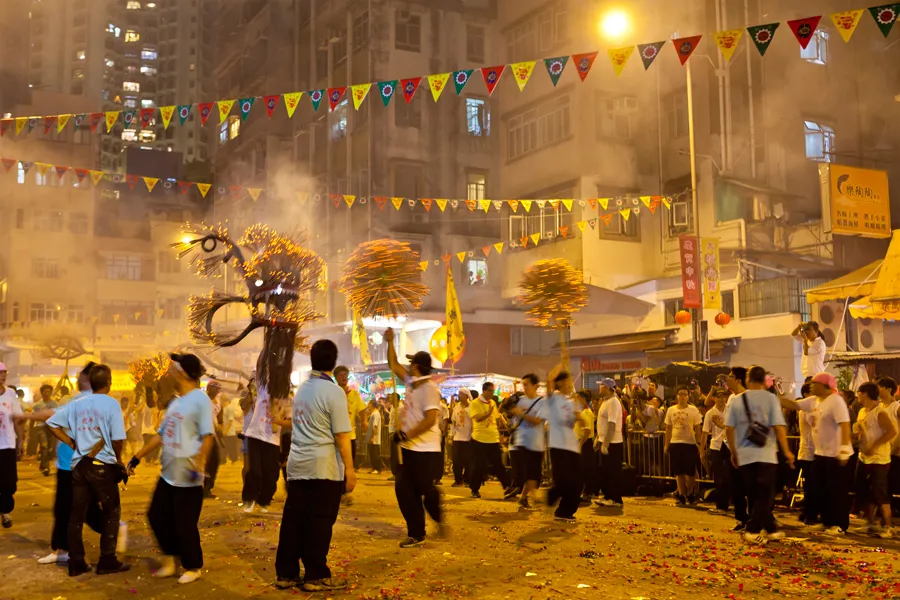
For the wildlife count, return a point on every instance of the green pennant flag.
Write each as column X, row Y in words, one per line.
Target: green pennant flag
column 184, row 111
column 32, row 121
column 460, row 79
column 762, row 36
column 649, row 52
column 128, row 118
column 79, row 120
column 315, row 97
column 386, row 88
column 885, row 16
column 555, row 67
column 246, row 104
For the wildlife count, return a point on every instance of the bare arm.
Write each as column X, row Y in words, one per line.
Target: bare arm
column 117, row 446
column 396, row 368
column 342, row 441
column 781, row 436
column 484, row 416
column 729, row 439
column 149, row 447
column 668, row 434
column 41, row 415
column 62, row 436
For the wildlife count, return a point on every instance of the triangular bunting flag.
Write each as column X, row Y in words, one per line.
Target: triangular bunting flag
column 60, row 171
column 619, row 58
column 235, row 190
column 150, row 182
column 526, row 204
column 111, row 118
column 303, row 197
column 514, row 205
column 254, row 193
column 447, row 258
column 349, row 199
column 315, row 97
column 81, row 174
column 442, row 203
column 49, row 122
column 335, row 95
column 387, row 89
column 184, row 186
column 607, row 219
column 184, row 111
column 523, row 241
column 131, row 180
column 336, row 199
column 499, row 247
column 20, row 124
column 32, row 123
column 564, row 230
column 567, row 204
column 535, row 237
column 649, row 52
column 846, row 22
column 423, row 265
column 654, row 204
column 166, row 113
column 271, row 102
column 359, row 93
column 146, row 115
column 592, row 223
column 79, row 119
column 885, row 16
column 409, row 87
column 460, row 79
column 471, row 205
column 492, row 77
column 8, row 163
column 437, row 83
column 204, row 188
column 604, row 203
column 4, row 125
column 427, row 202
column 555, row 67
column 485, row 205
column 205, row 109
column 684, row 47
column 666, row 202
column 762, row 36
column 380, row 201
column 224, row 109
column 583, row 63
column 397, row 202
column 727, row 41
column 128, row 117
column 292, row 101
column 522, row 72
column 42, row 167
column 646, row 201
column 804, row 29
column 61, row 121
column 246, row 105
column 554, row 204
column 486, row 250
column 461, row 256
column 96, row 176
column 498, row 204
column 581, row 225
column 593, row 203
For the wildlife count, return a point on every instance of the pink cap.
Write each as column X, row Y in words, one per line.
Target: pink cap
column 826, row 379
column 2, row 367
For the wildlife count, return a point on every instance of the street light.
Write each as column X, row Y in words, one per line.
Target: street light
column 615, row 25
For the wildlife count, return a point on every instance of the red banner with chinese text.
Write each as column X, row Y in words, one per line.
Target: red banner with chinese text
column 690, row 271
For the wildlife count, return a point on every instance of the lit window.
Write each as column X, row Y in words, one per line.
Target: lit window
column 147, row 103
column 110, row 63
column 147, row 135
column 129, row 135
column 133, row 5
column 339, row 120
column 816, row 51
column 132, row 36
column 148, row 70
column 477, row 268
column 478, row 117
column 819, row 141
column 148, row 54
column 80, row 55
column 131, row 86
column 130, row 103
column 223, row 133
column 475, row 186
column 234, row 127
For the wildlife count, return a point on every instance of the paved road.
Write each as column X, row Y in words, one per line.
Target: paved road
column 651, row 550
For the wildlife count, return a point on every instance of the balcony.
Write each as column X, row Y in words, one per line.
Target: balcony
column 776, row 296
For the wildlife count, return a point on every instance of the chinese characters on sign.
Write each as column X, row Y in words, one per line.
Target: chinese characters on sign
column 860, row 202
column 690, row 270
column 712, row 283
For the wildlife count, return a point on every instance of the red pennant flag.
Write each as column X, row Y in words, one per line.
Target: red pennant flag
column 4, row 125
column 60, row 170
column 131, row 180
column 146, row 116
column 335, row 95
column 336, row 199
column 271, row 102
column 8, row 163
column 427, row 202
column 49, row 122
column 81, row 174
column 804, row 29
column 96, row 119
column 447, row 259
column 184, row 186
column 583, row 63
column 593, row 203
column 607, row 219
column 524, row 241
column 685, row 47
column 654, row 204
column 380, row 201
column 486, row 249
column 205, row 110
column 471, row 204
column 409, row 87
column 564, row 231
column 235, row 190
column 492, row 77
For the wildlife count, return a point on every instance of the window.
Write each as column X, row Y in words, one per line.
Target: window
column 148, row 70
column 681, row 217
column 123, row 267
column 728, row 302
column 121, row 312
column 620, row 228
column 477, row 271
column 819, row 141
column 223, row 132
column 234, row 127
column 132, row 36
column 615, row 117
column 478, row 117
column 677, row 115
column 48, row 220
column 45, row 268
column 75, row 314
column 339, row 120
column 672, row 306
column 475, row 186
column 474, row 43
column 129, row 135
column 131, row 86
column 407, row 31
column 171, row 308
column 146, row 54
column 539, row 33
column 816, row 51
column 544, row 221
column 132, row 5
column 80, row 54
column 44, row 313
column 528, row 341
column 168, row 262
column 539, row 127
column 109, row 62
column 78, row 223
column 407, row 115
column 15, row 312
column 130, row 103
column 361, row 31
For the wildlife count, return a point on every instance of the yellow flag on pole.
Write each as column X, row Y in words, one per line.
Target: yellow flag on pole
column 522, row 72
column 456, row 338
column 437, row 83
column 619, row 58
column 359, row 338
column 727, row 41
column 709, row 261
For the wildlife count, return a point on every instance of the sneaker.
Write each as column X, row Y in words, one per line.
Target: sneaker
column 324, row 585
column 166, row 569
column 286, row 584
column 603, row 502
column 776, row 535
column 523, row 504
column 680, row 500
column 458, row 484
column 55, row 558
column 755, row 538
column 885, row 533
column 565, row 519
column 815, row 527
column 476, row 494
column 78, row 569
column 250, row 507
column 7, row 521
column 375, row 473
column 615, row 504
column 739, row 526
column 189, row 576
column 122, row 538
column 112, row 567
column 834, row 531
column 265, row 509
column 716, row 511
column 412, row 542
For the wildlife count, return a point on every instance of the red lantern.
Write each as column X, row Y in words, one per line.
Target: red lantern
column 723, row 319
column 682, row 317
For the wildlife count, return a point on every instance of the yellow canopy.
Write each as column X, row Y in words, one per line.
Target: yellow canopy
column 864, row 308
column 883, row 302
column 860, row 282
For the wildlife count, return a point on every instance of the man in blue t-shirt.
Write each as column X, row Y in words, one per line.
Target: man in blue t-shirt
column 319, row 467
column 98, row 431
column 527, row 441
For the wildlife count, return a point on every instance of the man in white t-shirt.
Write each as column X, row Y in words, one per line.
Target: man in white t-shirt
column 461, row 426
column 419, row 436
column 887, row 392
column 608, row 441
column 813, row 359
column 10, row 447
column 263, row 434
column 682, row 434
column 711, row 439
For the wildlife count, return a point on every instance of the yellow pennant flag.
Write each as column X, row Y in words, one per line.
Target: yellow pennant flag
column 359, row 93
column 96, row 176
column 646, row 201
column 667, row 202
column 42, row 167
column 485, row 205
column 150, row 182
column 423, row 265
column 166, row 112
column 568, row 205
column 302, row 196
column 204, row 188
column 442, row 203
column 846, row 22
column 581, row 225
column 727, row 41
column 349, row 200
column 461, row 256
column 224, row 109
column 291, row 101
column 604, row 202
column 61, row 121
column 499, row 247
column 359, row 338
column 111, row 118
column 619, row 58
column 522, row 72
column 20, row 123
column 535, row 237
column 526, row 204
column 625, row 212
column 437, row 83
column 254, row 193
column 456, row 337
column 397, row 202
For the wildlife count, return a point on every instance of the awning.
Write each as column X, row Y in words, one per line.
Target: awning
column 621, row 344
column 684, row 351
column 852, row 358
column 860, row 282
column 883, row 301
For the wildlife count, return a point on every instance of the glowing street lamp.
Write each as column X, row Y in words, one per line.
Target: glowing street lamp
column 615, row 25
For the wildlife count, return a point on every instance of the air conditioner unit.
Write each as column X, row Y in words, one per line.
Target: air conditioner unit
column 870, row 335
column 828, row 316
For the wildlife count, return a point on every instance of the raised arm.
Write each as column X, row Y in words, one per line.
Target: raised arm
column 395, row 366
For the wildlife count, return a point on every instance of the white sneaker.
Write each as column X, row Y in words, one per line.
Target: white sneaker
column 61, row 557
column 776, row 535
column 759, row 539
column 250, row 507
column 122, row 539
column 886, row 533
column 189, row 576
column 834, row 531
column 264, row 509
column 167, row 568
